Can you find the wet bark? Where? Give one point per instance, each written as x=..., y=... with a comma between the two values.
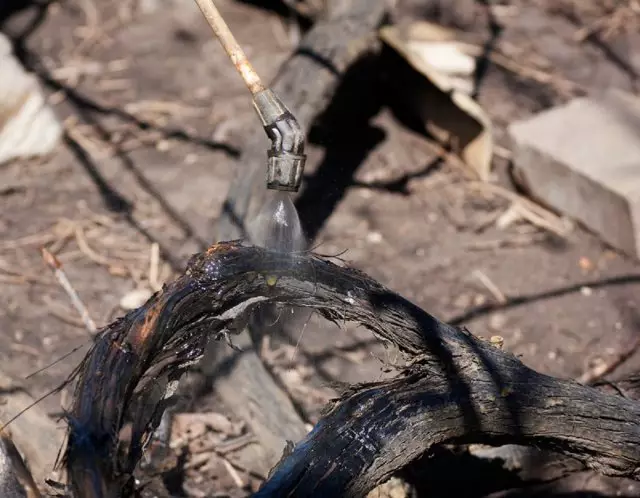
x=455, y=389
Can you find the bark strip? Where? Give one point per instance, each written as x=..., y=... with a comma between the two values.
x=457, y=388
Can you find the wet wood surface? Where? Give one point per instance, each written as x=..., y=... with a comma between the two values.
x=456, y=388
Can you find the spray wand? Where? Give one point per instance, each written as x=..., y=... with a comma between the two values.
x=286, y=156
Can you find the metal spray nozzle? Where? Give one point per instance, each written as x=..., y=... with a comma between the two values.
x=286, y=158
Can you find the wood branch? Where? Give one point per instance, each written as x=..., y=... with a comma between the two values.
x=305, y=83
x=381, y=428
x=456, y=389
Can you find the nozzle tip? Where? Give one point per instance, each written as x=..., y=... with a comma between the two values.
x=284, y=172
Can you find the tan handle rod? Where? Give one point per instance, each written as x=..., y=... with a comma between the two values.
x=231, y=46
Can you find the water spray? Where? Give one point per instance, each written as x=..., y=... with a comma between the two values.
x=277, y=226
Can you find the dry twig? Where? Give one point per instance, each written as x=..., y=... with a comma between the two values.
x=497, y=294
x=56, y=266
x=601, y=369
x=529, y=210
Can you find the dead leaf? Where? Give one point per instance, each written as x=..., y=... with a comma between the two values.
x=28, y=126
x=440, y=97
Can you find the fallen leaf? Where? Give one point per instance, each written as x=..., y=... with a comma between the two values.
x=441, y=97
x=28, y=126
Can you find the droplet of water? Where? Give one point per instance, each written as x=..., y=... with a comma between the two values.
x=350, y=297
x=271, y=280
x=277, y=226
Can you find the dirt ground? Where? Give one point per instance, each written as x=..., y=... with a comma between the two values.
x=117, y=190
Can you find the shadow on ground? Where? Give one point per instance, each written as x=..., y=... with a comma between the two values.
x=89, y=111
